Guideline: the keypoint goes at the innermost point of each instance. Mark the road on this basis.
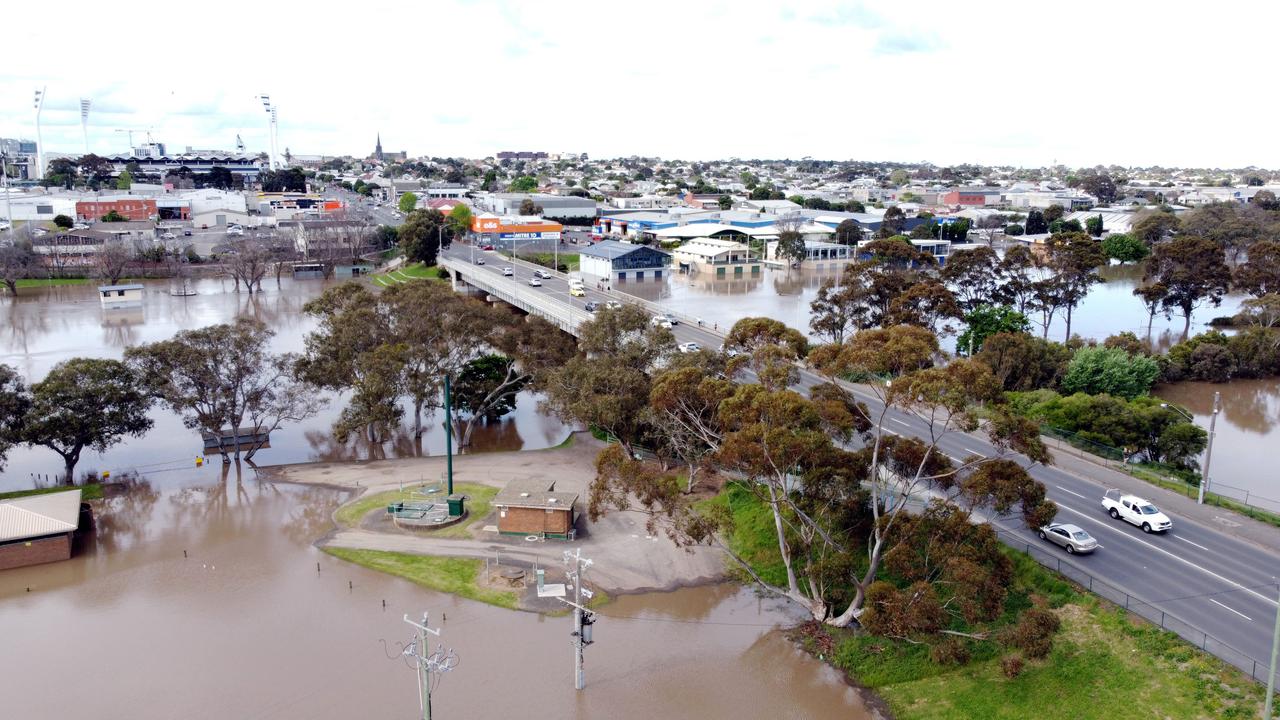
(1215, 583)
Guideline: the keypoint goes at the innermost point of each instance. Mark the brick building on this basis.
(38, 528)
(533, 507)
(132, 208)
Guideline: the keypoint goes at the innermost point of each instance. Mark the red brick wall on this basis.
(532, 521)
(34, 552)
(131, 209)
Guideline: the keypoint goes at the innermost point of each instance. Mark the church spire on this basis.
(377, 149)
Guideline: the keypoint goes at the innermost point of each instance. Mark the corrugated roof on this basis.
(39, 515)
(611, 249)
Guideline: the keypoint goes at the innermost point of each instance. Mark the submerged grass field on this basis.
(457, 576)
(479, 498)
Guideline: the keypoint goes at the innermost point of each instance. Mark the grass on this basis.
(1210, 498)
(45, 282)
(479, 499)
(546, 259)
(87, 492)
(456, 576)
(1102, 660)
(408, 273)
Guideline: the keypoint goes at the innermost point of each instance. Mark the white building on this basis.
(818, 255)
(121, 296)
(717, 256)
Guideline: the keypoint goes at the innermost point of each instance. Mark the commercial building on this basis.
(972, 197)
(716, 256)
(38, 528)
(248, 167)
(616, 260)
(131, 207)
(773, 207)
(70, 249)
(496, 229)
(818, 255)
(522, 155)
(560, 207)
(20, 157)
(534, 508)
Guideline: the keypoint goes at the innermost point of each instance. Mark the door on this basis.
(219, 219)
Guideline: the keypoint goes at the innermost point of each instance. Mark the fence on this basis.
(1053, 560)
(1216, 493)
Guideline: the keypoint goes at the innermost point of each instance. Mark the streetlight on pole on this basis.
(39, 105)
(1271, 676)
(1208, 452)
(84, 123)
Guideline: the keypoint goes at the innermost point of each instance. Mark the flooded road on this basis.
(44, 326)
(245, 627)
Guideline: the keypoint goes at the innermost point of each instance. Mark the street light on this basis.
(1208, 452)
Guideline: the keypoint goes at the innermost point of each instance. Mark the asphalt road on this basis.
(1215, 583)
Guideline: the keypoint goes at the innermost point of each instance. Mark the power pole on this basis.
(448, 432)
(1208, 453)
(1271, 676)
(429, 664)
(583, 618)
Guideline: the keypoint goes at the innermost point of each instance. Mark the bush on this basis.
(1214, 357)
(442, 273)
(1125, 248)
(1214, 363)
(951, 651)
(63, 221)
(1110, 370)
(1012, 665)
(1033, 633)
(1014, 230)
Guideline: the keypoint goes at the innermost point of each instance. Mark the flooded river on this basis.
(245, 627)
(44, 326)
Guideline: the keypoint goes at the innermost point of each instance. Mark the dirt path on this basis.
(626, 558)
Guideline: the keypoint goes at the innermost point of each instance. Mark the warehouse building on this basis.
(616, 260)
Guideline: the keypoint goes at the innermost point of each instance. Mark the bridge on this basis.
(1212, 588)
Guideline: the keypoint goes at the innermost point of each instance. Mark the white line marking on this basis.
(1185, 561)
(1071, 492)
(900, 422)
(1191, 543)
(1246, 617)
(974, 452)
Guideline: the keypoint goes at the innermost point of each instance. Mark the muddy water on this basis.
(245, 627)
(44, 326)
(1245, 445)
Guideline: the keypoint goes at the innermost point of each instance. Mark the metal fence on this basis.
(1054, 560)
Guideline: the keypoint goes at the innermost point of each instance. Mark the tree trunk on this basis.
(69, 460)
(1068, 324)
(1186, 327)
(12, 285)
(417, 419)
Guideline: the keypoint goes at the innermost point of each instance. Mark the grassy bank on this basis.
(46, 282)
(1102, 660)
(87, 492)
(457, 576)
(547, 259)
(408, 273)
(479, 499)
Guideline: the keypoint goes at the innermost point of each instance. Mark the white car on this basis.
(659, 321)
(613, 305)
(542, 274)
(235, 231)
(689, 347)
(535, 282)
(671, 318)
(508, 272)
(1136, 511)
(168, 236)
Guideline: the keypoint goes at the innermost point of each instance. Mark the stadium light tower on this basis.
(84, 123)
(39, 105)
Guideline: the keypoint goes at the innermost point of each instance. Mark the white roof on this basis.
(38, 515)
(702, 230)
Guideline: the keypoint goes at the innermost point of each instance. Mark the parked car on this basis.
(77, 226)
(1071, 537)
(508, 272)
(186, 232)
(479, 261)
(235, 231)
(535, 282)
(1136, 511)
(542, 274)
(577, 291)
(659, 321)
(689, 347)
(168, 236)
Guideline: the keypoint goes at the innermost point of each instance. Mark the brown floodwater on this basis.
(46, 325)
(1246, 434)
(245, 627)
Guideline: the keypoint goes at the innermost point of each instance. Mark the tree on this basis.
(974, 275)
(1100, 185)
(113, 216)
(892, 223)
(1036, 223)
(790, 245)
(15, 402)
(725, 202)
(223, 376)
(899, 177)
(1152, 296)
(1022, 362)
(17, 262)
(1124, 247)
(1260, 274)
(984, 321)
(460, 220)
(386, 237)
(408, 203)
(1192, 270)
(1232, 227)
(1054, 213)
(248, 263)
(1075, 257)
(63, 221)
(1093, 225)
(926, 303)
(529, 207)
(836, 312)
(111, 260)
(523, 184)
(482, 389)
(295, 180)
(1152, 227)
(1113, 371)
(422, 235)
(125, 181)
(855, 206)
(848, 232)
(989, 226)
(86, 402)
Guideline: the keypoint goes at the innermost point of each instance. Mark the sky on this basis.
(997, 83)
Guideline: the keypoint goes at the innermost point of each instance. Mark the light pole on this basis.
(84, 123)
(1208, 452)
(39, 105)
(1271, 676)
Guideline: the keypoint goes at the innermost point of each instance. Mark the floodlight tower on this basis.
(84, 122)
(271, 141)
(39, 105)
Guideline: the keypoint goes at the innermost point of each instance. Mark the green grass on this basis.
(546, 259)
(1102, 660)
(408, 273)
(479, 500)
(87, 492)
(456, 576)
(45, 282)
(1210, 498)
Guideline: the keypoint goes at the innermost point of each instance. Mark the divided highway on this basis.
(1211, 581)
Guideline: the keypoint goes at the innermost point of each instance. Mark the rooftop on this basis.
(534, 494)
(39, 515)
(610, 249)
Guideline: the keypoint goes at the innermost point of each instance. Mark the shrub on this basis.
(1110, 370)
(1012, 665)
(1033, 633)
(1014, 230)
(951, 651)
(442, 273)
(1214, 363)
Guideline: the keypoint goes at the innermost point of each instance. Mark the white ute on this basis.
(1135, 510)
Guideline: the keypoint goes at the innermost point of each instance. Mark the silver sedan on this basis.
(1071, 537)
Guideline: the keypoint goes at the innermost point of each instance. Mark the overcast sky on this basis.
(1082, 83)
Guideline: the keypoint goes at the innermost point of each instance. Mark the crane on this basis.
(131, 131)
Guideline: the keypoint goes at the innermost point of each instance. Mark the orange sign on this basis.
(486, 224)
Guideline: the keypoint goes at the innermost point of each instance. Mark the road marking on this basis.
(974, 452)
(1191, 543)
(1071, 492)
(900, 422)
(1185, 561)
(1246, 617)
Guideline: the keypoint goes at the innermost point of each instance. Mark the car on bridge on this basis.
(1135, 511)
(577, 291)
(535, 282)
(478, 261)
(540, 273)
(508, 272)
(671, 318)
(591, 307)
(1072, 538)
(613, 305)
(660, 321)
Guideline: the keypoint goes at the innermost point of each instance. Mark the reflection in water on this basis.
(246, 609)
(1245, 430)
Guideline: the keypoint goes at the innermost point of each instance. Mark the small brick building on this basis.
(533, 507)
(132, 208)
(38, 528)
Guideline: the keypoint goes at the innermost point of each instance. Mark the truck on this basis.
(1136, 511)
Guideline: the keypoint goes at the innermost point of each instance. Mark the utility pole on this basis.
(39, 105)
(448, 432)
(428, 663)
(1271, 677)
(1208, 452)
(583, 618)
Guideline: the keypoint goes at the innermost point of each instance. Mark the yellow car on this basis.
(577, 291)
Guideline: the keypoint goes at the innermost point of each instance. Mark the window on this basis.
(119, 293)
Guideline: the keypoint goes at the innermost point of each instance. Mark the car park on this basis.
(1072, 538)
(535, 282)
(689, 347)
(1135, 511)
(508, 272)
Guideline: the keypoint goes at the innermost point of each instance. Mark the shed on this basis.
(38, 528)
(533, 507)
(121, 296)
